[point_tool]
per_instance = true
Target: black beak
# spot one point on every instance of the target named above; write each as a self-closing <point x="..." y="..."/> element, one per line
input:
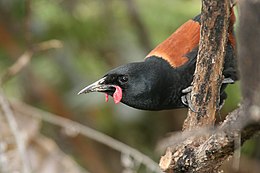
<point x="98" y="86"/>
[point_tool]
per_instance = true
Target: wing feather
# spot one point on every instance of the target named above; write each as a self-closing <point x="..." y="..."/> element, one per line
<point x="180" y="43"/>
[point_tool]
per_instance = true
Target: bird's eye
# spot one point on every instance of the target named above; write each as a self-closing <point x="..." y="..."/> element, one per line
<point x="123" y="79"/>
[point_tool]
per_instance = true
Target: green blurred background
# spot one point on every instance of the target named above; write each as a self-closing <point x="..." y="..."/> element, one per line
<point x="97" y="35"/>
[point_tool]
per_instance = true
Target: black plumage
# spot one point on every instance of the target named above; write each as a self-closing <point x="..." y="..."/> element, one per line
<point x="157" y="82"/>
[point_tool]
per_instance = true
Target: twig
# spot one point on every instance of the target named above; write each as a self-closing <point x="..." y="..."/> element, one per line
<point x="46" y="45"/>
<point x="237" y="153"/>
<point x="22" y="61"/>
<point x="88" y="132"/>
<point x="138" y="24"/>
<point x="179" y="137"/>
<point x="16" y="132"/>
<point x="25" y="58"/>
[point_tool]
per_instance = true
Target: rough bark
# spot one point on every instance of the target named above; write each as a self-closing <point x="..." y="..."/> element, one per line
<point x="206" y="153"/>
<point x="214" y="31"/>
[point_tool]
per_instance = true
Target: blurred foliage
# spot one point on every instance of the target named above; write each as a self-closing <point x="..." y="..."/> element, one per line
<point x="97" y="35"/>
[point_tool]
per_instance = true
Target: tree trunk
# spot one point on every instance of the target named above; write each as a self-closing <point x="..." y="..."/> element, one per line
<point x="206" y="153"/>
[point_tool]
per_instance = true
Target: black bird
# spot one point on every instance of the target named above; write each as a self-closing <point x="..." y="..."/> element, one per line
<point x="157" y="83"/>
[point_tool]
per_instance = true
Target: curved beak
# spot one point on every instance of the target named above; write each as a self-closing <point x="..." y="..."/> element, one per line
<point x="98" y="86"/>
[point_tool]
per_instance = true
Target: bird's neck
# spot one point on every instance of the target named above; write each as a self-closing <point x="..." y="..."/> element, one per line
<point x="169" y="82"/>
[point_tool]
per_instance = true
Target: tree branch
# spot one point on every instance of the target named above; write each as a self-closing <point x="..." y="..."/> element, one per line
<point x="210" y="152"/>
<point x="207" y="152"/>
<point x="73" y="128"/>
<point x="214" y="32"/>
<point x="25" y="58"/>
<point x="18" y="135"/>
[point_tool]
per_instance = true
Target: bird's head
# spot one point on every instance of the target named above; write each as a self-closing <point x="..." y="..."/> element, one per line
<point x="142" y="85"/>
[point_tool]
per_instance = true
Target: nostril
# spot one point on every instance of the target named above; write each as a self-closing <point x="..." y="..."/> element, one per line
<point x="102" y="81"/>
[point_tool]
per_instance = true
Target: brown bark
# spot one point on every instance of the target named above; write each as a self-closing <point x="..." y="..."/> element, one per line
<point x="214" y="32"/>
<point x="205" y="153"/>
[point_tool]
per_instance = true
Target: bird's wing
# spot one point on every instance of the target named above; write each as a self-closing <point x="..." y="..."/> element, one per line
<point x="184" y="41"/>
<point x="231" y="36"/>
<point x="180" y="43"/>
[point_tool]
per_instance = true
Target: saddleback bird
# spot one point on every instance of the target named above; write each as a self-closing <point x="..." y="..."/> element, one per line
<point x="161" y="80"/>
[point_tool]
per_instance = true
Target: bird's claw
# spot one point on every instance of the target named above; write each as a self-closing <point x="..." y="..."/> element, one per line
<point x="228" y="81"/>
<point x="186" y="98"/>
<point x="187" y="90"/>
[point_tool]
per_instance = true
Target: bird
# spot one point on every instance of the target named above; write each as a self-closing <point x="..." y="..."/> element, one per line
<point x="162" y="80"/>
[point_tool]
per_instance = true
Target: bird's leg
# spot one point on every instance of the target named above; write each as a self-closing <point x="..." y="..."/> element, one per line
<point x="186" y="98"/>
<point x="220" y="106"/>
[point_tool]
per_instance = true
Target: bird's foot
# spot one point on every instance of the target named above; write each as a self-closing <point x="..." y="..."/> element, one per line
<point x="220" y="105"/>
<point x="228" y="81"/>
<point x="186" y="98"/>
